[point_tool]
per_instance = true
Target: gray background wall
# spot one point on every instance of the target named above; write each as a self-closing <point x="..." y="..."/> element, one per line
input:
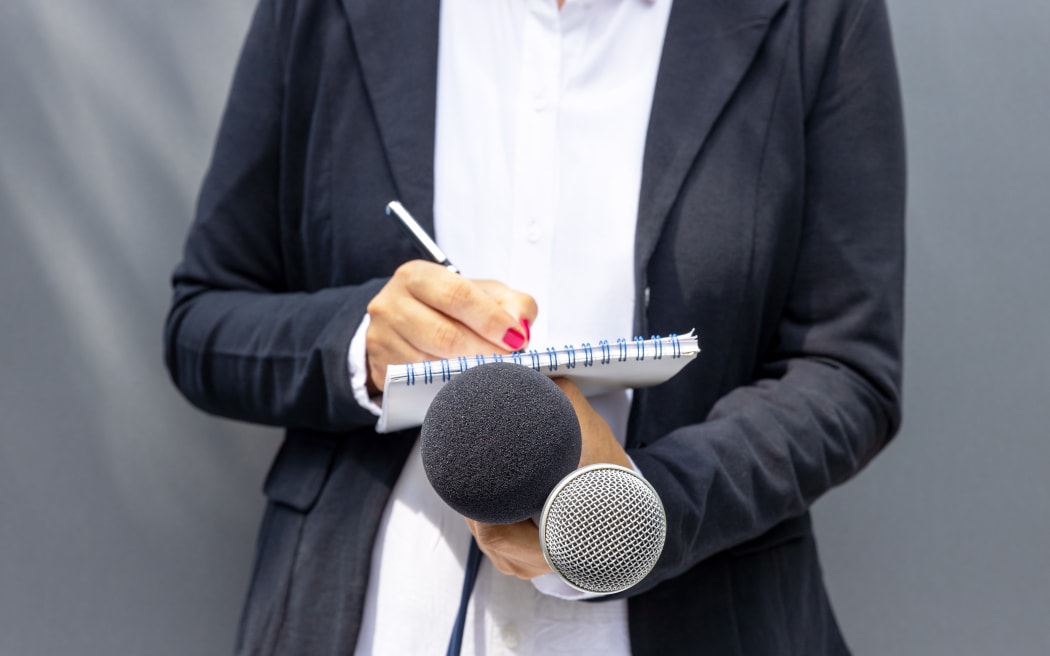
<point x="127" y="519"/>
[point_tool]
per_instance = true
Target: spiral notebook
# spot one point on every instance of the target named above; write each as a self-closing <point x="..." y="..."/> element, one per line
<point x="596" y="367"/>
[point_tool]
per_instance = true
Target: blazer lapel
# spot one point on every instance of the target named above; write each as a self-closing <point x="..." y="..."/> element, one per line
<point x="707" y="50"/>
<point x="397" y="46"/>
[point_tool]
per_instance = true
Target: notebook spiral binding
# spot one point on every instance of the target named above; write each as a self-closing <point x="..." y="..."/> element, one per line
<point x="550" y="359"/>
<point x="596" y="367"/>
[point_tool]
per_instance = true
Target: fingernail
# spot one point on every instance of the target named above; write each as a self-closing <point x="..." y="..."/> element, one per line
<point x="525" y="325"/>
<point x="513" y="339"/>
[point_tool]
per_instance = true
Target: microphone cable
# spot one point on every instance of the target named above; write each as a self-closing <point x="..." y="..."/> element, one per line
<point x="470" y="575"/>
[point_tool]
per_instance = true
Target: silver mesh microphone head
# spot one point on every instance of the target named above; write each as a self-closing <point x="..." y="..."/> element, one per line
<point x="602" y="528"/>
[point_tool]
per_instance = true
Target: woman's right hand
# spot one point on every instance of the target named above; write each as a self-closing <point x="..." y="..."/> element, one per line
<point x="426" y="312"/>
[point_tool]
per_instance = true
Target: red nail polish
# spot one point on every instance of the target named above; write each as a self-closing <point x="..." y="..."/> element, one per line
<point x="525" y="325"/>
<point x="513" y="339"/>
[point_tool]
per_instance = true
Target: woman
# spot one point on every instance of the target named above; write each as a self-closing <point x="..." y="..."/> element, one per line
<point x="602" y="168"/>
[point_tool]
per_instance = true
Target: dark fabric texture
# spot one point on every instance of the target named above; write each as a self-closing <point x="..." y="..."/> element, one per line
<point x="770" y="220"/>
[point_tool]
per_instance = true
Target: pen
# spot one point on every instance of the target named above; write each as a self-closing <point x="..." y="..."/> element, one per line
<point x="421" y="239"/>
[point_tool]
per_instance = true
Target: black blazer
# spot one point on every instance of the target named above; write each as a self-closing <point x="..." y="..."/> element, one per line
<point x="771" y="220"/>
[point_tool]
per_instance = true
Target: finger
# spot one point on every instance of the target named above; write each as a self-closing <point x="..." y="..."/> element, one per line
<point x="464" y="301"/>
<point x="385" y="348"/>
<point x="513" y="549"/>
<point x="422" y="330"/>
<point x="516" y="303"/>
<point x="404" y="329"/>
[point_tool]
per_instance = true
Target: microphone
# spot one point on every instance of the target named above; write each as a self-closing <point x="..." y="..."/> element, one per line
<point x="603" y="529"/>
<point x="496" y="439"/>
<point x="501" y="442"/>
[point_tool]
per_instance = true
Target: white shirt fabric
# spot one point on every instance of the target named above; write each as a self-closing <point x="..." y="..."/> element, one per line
<point x="541" y="123"/>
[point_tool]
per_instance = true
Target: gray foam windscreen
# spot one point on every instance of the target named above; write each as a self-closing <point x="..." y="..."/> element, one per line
<point x="603" y="529"/>
<point x="496" y="439"/>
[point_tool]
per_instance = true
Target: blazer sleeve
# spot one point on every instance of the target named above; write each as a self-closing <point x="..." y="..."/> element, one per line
<point x="826" y="397"/>
<point x="241" y="340"/>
